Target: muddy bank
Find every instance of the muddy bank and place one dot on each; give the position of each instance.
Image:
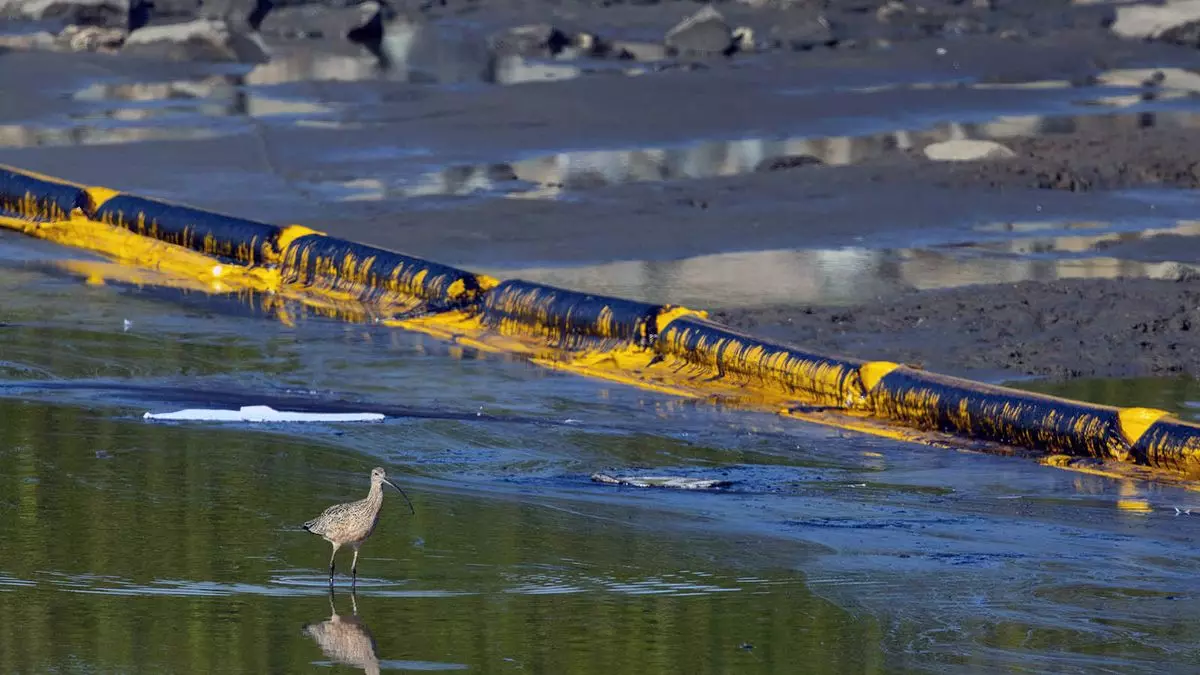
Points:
(1064, 329)
(813, 141)
(1096, 156)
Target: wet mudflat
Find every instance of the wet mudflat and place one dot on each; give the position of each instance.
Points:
(813, 192)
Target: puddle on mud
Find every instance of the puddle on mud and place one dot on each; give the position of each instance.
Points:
(851, 275)
(222, 104)
(125, 112)
(210, 106)
(557, 175)
(191, 109)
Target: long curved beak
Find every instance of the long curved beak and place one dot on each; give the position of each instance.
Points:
(410, 505)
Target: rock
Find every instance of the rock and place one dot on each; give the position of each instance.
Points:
(785, 162)
(90, 39)
(369, 34)
(543, 41)
(964, 25)
(177, 8)
(501, 173)
(1188, 34)
(890, 9)
(139, 14)
(246, 14)
(966, 151)
(416, 50)
(704, 33)
(770, 4)
(112, 13)
(200, 40)
(644, 52)
(803, 35)
(1150, 22)
(584, 44)
(743, 39)
(71, 39)
(540, 39)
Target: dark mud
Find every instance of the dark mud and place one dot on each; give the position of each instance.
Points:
(812, 140)
(1065, 329)
(1092, 159)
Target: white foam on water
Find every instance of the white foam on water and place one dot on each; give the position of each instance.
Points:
(260, 413)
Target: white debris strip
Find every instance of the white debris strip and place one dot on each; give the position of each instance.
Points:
(260, 413)
(676, 482)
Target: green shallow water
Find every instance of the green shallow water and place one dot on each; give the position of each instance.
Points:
(1178, 395)
(133, 547)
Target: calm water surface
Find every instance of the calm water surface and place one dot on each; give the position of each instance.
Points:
(1177, 395)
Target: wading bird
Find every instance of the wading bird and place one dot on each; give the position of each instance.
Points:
(350, 524)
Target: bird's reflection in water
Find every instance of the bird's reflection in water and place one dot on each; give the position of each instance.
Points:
(345, 640)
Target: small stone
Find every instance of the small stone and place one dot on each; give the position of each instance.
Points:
(1187, 34)
(90, 39)
(112, 13)
(241, 13)
(893, 8)
(199, 40)
(369, 33)
(785, 162)
(501, 173)
(964, 25)
(804, 35)
(539, 39)
(964, 150)
(704, 33)
(1150, 22)
(770, 4)
(743, 39)
(641, 51)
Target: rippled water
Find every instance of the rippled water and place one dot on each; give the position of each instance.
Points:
(137, 547)
(134, 546)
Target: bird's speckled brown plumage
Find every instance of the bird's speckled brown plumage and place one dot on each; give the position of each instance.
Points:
(350, 524)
